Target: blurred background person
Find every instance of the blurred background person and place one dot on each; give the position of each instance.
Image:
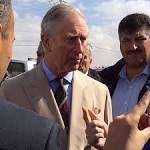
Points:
(40, 52)
(86, 62)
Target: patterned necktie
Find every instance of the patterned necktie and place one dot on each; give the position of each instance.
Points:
(60, 96)
(60, 93)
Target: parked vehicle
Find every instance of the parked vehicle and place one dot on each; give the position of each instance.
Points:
(17, 67)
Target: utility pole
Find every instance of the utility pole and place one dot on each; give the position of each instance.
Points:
(60, 1)
(53, 2)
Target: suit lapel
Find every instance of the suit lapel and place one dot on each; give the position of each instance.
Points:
(80, 98)
(41, 96)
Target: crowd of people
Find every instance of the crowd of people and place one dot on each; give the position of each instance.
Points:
(64, 104)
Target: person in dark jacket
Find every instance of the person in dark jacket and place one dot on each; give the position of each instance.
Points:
(129, 78)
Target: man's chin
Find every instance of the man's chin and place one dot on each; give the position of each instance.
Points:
(136, 65)
(74, 68)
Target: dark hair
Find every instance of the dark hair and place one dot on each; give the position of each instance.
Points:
(133, 22)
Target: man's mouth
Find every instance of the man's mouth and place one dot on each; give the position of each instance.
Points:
(133, 52)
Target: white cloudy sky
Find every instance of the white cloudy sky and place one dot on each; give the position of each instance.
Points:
(102, 16)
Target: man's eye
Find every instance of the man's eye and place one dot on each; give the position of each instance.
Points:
(125, 40)
(83, 39)
(71, 39)
(140, 39)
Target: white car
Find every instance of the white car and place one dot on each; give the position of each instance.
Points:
(17, 67)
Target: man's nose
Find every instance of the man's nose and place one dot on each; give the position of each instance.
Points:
(133, 46)
(79, 46)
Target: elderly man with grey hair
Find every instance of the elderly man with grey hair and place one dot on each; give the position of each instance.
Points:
(55, 88)
(21, 129)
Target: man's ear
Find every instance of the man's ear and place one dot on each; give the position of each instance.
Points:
(91, 60)
(46, 42)
(0, 30)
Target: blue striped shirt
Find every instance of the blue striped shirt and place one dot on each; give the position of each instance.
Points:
(127, 91)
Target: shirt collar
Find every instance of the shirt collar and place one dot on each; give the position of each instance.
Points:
(123, 73)
(47, 72)
(147, 69)
(51, 76)
(69, 77)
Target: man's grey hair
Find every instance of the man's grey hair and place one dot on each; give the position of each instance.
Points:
(5, 10)
(54, 16)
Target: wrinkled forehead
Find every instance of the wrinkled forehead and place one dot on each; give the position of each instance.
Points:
(73, 25)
